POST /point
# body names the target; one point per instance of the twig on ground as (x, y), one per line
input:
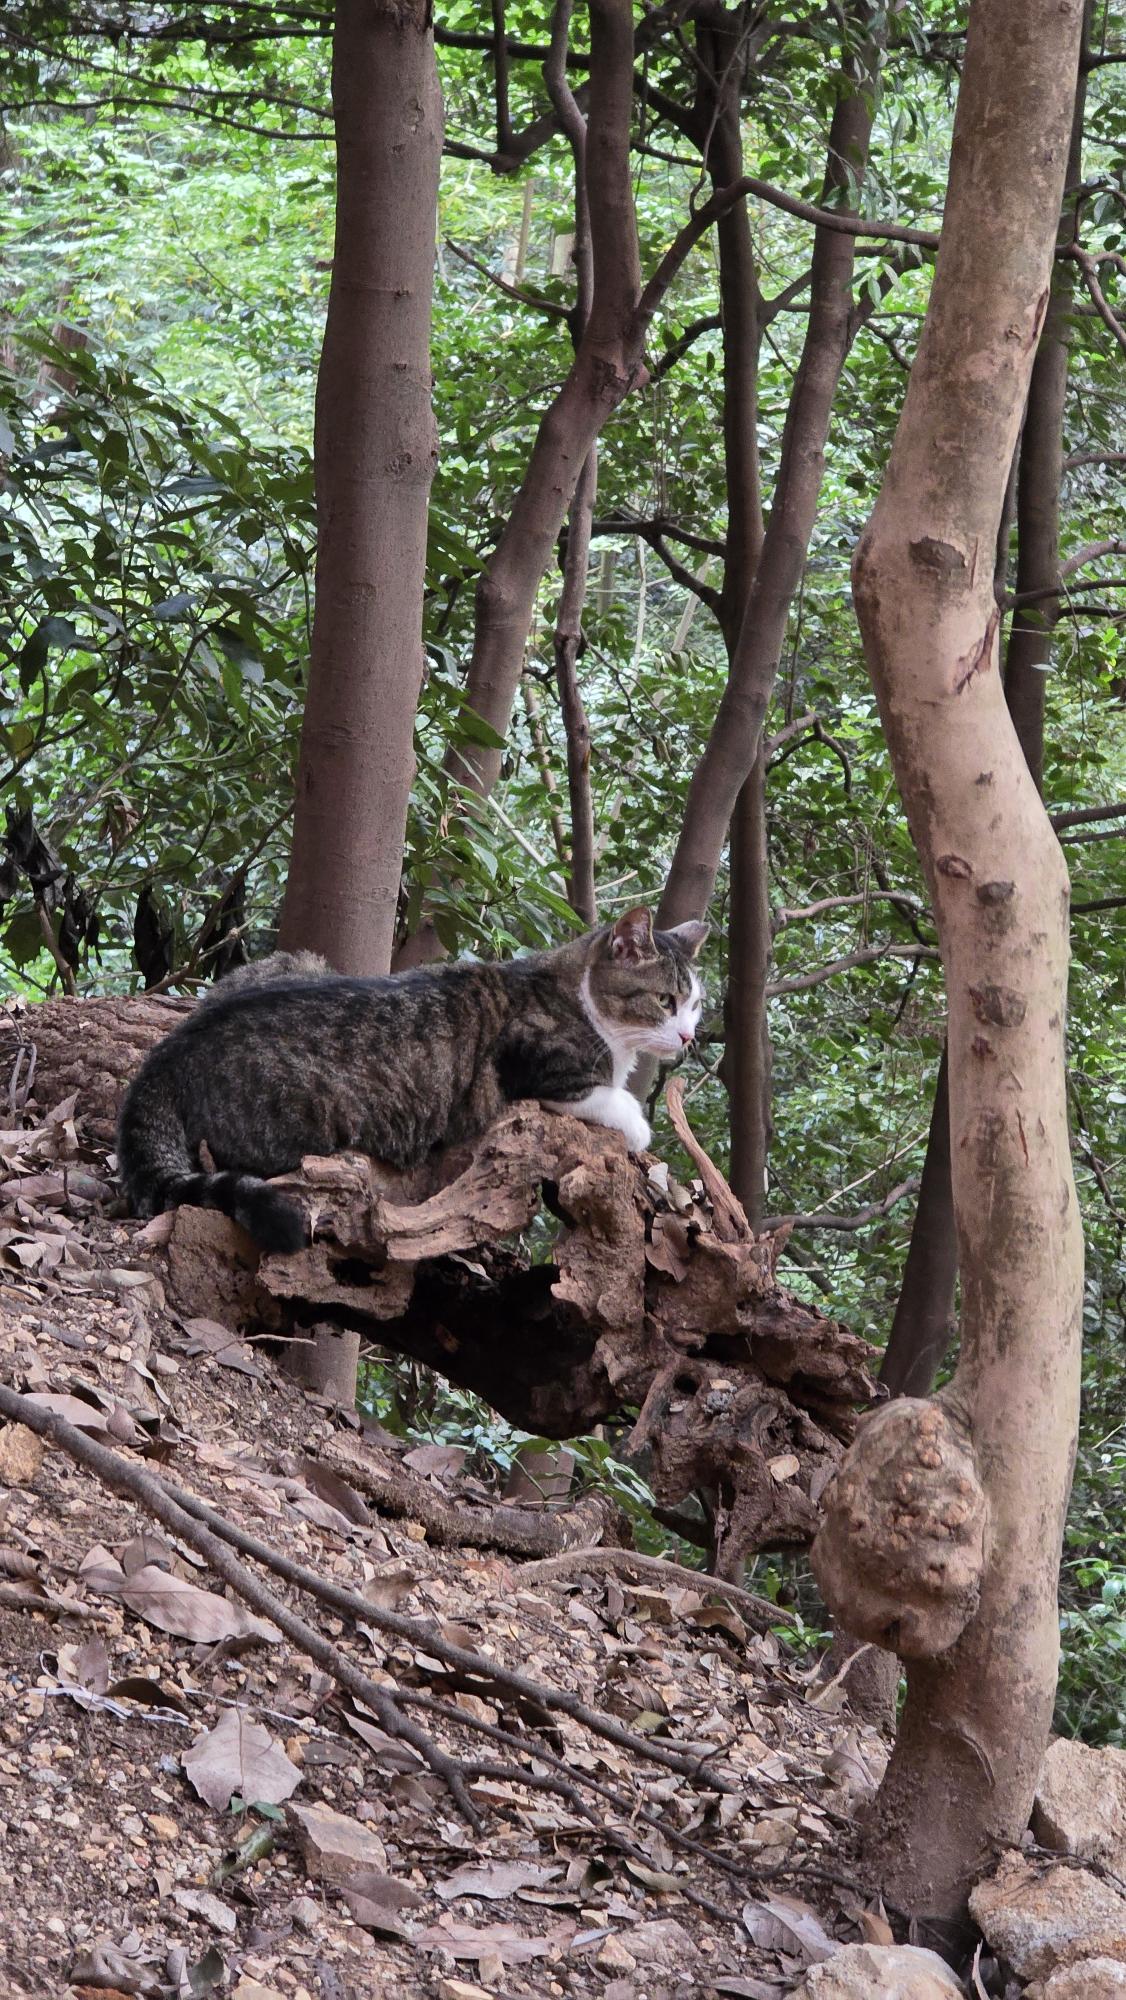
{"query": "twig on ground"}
(421, 1636)
(123, 1477)
(762, 1614)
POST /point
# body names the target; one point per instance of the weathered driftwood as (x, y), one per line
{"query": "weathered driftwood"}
(551, 1273)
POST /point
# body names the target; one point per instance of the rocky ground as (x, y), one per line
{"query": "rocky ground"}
(190, 1804)
(353, 1747)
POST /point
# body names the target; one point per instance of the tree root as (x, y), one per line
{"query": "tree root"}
(131, 1480)
(460, 1658)
(517, 1531)
(759, 1612)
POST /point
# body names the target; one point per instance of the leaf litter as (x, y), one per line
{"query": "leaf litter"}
(295, 1846)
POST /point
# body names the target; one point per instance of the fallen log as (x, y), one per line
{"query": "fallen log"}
(547, 1270)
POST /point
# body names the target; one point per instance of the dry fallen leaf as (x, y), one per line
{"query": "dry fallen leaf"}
(782, 1923)
(876, 1928)
(494, 1879)
(173, 1605)
(238, 1755)
(501, 1941)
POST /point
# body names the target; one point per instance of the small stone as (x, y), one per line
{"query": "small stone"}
(460, 1989)
(21, 1455)
(1080, 1803)
(663, 1942)
(1040, 1918)
(305, 1912)
(163, 1827)
(613, 1957)
(880, 1972)
(1088, 1979)
(333, 1846)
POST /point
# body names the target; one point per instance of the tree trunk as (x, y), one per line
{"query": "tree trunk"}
(1039, 480)
(924, 1316)
(375, 450)
(746, 1062)
(745, 1069)
(576, 729)
(606, 365)
(991, 1455)
(923, 1326)
(737, 730)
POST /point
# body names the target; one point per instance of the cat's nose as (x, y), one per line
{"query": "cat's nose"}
(687, 1035)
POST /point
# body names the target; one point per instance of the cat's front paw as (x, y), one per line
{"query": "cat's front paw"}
(633, 1124)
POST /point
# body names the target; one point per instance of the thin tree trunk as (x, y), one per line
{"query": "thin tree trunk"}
(568, 638)
(737, 730)
(1039, 480)
(923, 1325)
(375, 450)
(746, 1065)
(576, 562)
(983, 1653)
(606, 365)
(745, 1069)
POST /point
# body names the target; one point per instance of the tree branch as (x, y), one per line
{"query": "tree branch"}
(824, 1218)
(865, 955)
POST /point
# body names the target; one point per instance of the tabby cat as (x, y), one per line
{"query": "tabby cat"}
(394, 1067)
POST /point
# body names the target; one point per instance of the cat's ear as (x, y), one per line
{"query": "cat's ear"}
(689, 936)
(632, 937)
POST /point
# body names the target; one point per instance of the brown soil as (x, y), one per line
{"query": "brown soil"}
(111, 1864)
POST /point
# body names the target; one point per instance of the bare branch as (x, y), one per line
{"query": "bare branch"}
(807, 211)
(1089, 267)
(866, 955)
(710, 323)
(552, 307)
(1087, 815)
(825, 1218)
(865, 896)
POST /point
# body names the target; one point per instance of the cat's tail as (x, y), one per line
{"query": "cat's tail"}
(156, 1167)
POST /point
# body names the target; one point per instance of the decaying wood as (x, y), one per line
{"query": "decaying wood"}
(89, 1046)
(549, 1272)
(519, 1531)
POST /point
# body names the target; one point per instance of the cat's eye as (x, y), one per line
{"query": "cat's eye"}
(667, 999)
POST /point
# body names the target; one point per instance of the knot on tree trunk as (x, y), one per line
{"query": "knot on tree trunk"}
(900, 1551)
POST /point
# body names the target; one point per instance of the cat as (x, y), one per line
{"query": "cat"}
(394, 1067)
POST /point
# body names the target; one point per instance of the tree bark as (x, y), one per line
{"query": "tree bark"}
(994, 1450)
(1039, 479)
(746, 1066)
(576, 729)
(923, 1325)
(607, 363)
(375, 449)
(737, 730)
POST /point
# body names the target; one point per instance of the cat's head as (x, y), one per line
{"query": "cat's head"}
(641, 987)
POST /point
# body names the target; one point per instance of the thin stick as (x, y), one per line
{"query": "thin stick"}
(763, 1614)
(416, 1634)
(134, 1482)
